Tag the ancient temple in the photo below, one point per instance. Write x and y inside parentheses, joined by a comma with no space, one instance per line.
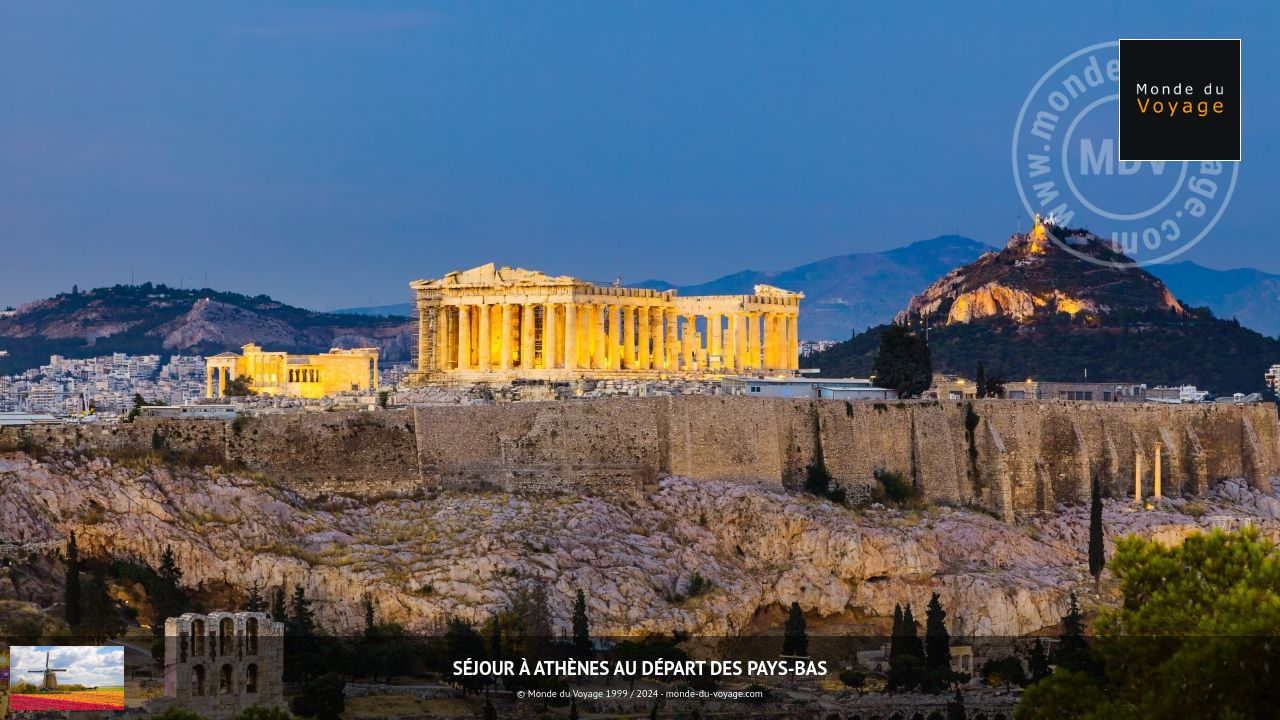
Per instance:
(273,372)
(501,324)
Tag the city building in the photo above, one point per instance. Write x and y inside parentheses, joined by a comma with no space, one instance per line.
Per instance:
(282,373)
(1273,378)
(801,387)
(492,324)
(952,387)
(1177,395)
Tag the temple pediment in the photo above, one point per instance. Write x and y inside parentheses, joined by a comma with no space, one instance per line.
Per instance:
(771,291)
(490,275)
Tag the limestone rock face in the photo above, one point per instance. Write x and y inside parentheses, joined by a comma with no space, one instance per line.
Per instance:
(462,554)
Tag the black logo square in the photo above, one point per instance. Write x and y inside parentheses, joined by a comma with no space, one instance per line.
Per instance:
(1179,99)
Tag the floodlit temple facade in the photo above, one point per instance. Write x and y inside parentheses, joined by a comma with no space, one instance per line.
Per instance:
(502,324)
(282,373)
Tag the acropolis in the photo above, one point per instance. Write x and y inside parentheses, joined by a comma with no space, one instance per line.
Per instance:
(498,324)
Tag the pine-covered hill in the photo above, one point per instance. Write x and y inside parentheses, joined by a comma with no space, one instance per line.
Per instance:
(161,320)
(1155,348)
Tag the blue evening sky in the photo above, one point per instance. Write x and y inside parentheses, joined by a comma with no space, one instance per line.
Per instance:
(328,153)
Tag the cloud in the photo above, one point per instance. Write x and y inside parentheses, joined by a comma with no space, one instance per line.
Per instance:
(324,22)
(92,665)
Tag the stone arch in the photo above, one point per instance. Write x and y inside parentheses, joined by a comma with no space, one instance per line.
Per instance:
(251,636)
(251,678)
(226,680)
(197,637)
(226,635)
(197,680)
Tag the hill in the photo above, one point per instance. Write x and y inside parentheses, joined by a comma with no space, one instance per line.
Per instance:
(1248,295)
(156,319)
(1035,310)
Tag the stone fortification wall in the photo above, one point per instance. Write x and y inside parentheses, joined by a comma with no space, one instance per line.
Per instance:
(1008,456)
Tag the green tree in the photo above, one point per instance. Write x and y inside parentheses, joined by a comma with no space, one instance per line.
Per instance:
(278,611)
(795,639)
(462,642)
(1193,638)
(240,386)
(581,629)
(301,620)
(1097,551)
(1037,662)
(1073,652)
(321,698)
(903,363)
(937,646)
(1004,671)
(255,602)
(71,594)
(906,654)
(980,381)
(99,620)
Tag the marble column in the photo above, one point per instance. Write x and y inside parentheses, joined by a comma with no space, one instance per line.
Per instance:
(730,345)
(642,337)
(715,344)
(485,339)
(769,340)
(464,337)
(658,330)
(208,381)
(753,340)
(549,340)
(570,336)
(505,339)
(528,323)
(673,340)
(614,361)
(599,341)
(792,341)
(444,338)
(628,337)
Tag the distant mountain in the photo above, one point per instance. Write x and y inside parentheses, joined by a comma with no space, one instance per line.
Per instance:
(1034,310)
(849,292)
(396,310)
(1248,295)
(155,319)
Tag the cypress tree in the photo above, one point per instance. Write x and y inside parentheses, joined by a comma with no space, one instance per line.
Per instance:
(278,612)
(495,639)
(1038,662)
(368,616)
(1097,555)
(489,712)
(911,634)
(895,639)
(71,596)
(302,621)
(795,641)
(255,602)
(937,645)
(981,381)
(573,709)
(581,628)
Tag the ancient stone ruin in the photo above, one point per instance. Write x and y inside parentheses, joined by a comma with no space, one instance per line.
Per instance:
(219,664)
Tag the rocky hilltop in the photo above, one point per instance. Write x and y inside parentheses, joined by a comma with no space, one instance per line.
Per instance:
(1033,276)
(430,556)
(155,319)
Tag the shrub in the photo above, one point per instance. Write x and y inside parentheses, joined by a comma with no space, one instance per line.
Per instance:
(853,678)
(895,486)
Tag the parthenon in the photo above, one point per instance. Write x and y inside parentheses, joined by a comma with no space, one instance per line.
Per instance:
(497,324)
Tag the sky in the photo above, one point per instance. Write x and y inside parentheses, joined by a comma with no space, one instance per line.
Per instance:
(85,664)
(328,153)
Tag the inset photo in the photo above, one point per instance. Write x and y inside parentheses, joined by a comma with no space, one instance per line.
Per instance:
(71,677)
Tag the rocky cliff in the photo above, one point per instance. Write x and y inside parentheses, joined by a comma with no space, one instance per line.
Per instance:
(433,555)
(1034,275)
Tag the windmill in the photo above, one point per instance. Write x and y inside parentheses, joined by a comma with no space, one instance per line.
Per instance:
(50,681)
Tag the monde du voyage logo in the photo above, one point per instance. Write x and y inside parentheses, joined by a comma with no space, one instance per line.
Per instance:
(1134,140)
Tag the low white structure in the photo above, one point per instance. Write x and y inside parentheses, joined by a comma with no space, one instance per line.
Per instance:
(216,412)
(21,418)
(789,387)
